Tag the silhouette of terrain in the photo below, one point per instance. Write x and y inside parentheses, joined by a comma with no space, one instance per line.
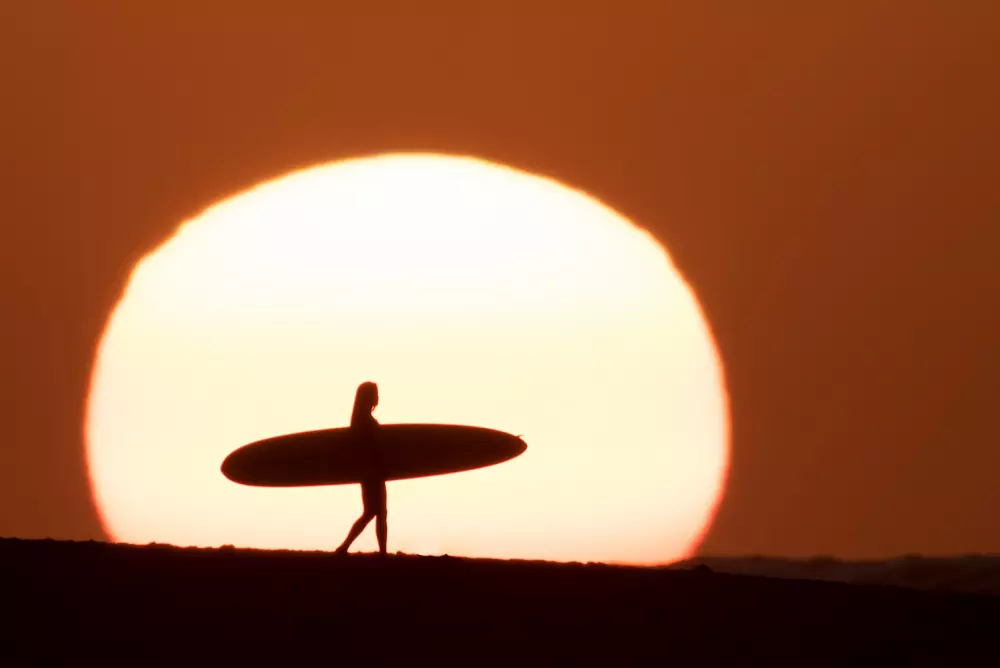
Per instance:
(970,574)
(67,602)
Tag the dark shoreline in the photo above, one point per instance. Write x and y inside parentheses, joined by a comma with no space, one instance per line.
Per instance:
(68,602)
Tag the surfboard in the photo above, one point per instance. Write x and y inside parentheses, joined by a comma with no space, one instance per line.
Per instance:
(338,457)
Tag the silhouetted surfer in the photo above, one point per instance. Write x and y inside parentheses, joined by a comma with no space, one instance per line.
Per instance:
(364,424)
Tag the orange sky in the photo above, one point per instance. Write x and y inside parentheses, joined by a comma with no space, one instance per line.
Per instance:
(824,176)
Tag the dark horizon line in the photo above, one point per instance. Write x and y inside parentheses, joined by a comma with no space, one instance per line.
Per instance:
(691,561)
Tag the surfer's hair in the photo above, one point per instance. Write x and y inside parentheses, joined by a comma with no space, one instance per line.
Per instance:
(366,398)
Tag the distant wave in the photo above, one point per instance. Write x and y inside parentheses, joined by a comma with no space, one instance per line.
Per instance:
(970,574)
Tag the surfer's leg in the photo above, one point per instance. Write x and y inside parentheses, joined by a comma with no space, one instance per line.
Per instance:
(356,530)
(382,530)
(381,519)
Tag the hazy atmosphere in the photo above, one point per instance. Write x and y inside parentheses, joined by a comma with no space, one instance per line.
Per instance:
(823,176)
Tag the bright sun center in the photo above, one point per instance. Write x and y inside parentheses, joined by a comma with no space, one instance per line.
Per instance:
(472,294)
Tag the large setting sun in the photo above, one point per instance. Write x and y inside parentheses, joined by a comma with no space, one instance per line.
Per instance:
(471,293)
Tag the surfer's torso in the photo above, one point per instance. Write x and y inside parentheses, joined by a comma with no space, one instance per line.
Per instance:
(367,429)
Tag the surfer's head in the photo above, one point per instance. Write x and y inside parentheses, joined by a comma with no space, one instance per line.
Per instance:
(366,397)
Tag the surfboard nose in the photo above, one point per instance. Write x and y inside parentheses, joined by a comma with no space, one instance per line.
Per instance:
(238,466)
(228,464)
